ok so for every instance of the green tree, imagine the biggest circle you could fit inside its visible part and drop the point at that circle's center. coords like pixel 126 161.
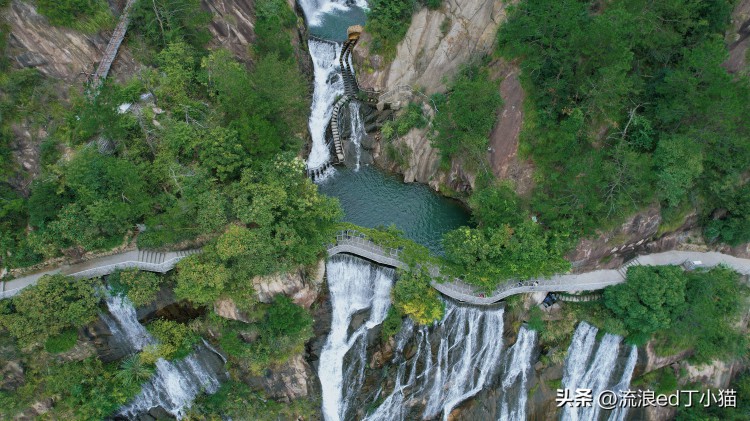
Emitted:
pixel 651 299
pixel 466 116
pixel 485 257
pixel 175 340
pixel 680 162
pixel 200 282
pixel 54 304
pixel 413 296
pixel 285 318
pixel 140 287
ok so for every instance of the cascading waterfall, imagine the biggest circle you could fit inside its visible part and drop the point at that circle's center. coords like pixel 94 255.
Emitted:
pixel 467 359
pixel 357 129
pixel 514 388
pixel 174 385
pixel 328 85
pixel 586 369
pixel 355 285
pixel 315 9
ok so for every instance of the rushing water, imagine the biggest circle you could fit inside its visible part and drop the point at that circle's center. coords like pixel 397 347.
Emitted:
pixel 175 384
pixel 358 130
pixel 328 85
pixel 371 198
pixel 355 285
pixel 592 365
pixel 518 366
pixel 467 358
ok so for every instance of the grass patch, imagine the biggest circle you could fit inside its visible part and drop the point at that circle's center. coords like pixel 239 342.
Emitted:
pixel 63 342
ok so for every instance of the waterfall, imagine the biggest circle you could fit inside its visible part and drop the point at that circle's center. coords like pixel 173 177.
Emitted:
pixel 467 358
pixel 124 324
pixel 586 369
pixel 357 129
pixel 175 384
pixel 315 9
pixel 354 285
pixel 328 84
pixel 514 388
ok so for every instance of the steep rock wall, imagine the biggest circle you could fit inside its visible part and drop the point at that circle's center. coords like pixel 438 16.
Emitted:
pixel 436 45
pixel 57 52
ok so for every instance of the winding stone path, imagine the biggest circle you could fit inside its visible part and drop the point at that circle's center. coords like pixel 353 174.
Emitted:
pixel 352 242
pixel 355 243
pixel 151 261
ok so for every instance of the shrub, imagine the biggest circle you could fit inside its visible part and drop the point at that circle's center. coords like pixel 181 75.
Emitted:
pixel 84 15
pixel 140 287
pixel 175 339
pixel 54 304
pixel 65 341
pixel 466 116
pixel 414 297
pixel 392 324
pixel 284 318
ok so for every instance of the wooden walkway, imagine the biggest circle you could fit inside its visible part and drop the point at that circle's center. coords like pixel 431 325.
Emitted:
pixel 152 261
pixel 110 53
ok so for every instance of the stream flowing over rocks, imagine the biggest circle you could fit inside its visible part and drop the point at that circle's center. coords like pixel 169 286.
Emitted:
pixel 174 384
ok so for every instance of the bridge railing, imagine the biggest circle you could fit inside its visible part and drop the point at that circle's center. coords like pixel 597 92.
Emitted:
pixel 360 239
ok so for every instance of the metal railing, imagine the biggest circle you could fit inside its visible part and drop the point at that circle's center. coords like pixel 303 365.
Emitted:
pixel 110 53
pixel 361 240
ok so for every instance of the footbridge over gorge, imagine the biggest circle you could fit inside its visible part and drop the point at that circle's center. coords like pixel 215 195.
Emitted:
pixel 355 243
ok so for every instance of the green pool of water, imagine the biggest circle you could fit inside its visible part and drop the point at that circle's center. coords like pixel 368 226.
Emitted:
pixel 333 25
pixel 371 198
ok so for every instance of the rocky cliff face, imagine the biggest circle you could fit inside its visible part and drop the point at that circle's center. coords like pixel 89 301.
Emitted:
pixel 57 52
pixel 232 26
pixel 436 45
pixel 738 39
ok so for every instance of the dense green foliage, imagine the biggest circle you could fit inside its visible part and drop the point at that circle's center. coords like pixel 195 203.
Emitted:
pixel 630 104
pixel 716 413
pixel 82 390
pixel 696 311
pixel 466 116
pixel 236 400
pixel 413 296
pixel 64 341
pixel 175 340
pixel 83 15
pixel 280 332
pixel 505 245
pixel 140 287
pixel 161 22
pixel 54 304
pixel 650 300
pixel 214 149
pixel 388 21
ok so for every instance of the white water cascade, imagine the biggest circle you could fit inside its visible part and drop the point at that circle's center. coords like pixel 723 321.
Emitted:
pixel 514 388
pixel 467 359
pixel 315 9
pixel 357 128
pixel 174 385
pixel 355 285
pixel 328 85
pixel 598 371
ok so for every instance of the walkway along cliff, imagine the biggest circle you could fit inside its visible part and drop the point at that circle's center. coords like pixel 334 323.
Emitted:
pixel 355 243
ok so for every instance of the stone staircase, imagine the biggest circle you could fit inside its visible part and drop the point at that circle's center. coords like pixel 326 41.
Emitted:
pixel 576 298
pixel 335 117
pixel 350 82
pixel 110 53
pixel 623 270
